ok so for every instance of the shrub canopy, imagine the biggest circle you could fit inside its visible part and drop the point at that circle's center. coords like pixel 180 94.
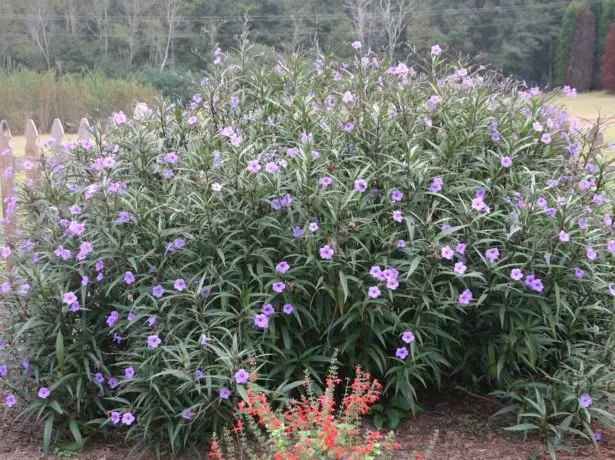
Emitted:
pixel 428 223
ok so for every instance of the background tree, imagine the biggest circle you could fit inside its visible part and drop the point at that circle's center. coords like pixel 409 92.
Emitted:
pixel 608 62
pixel 580 70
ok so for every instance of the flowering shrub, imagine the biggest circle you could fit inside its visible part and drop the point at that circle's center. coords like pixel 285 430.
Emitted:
pixel 428 224
pixel 309 428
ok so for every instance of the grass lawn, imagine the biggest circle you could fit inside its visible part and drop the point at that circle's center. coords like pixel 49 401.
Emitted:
pixel 590 106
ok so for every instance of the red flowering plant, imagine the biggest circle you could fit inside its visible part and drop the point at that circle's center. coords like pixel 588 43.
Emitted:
pixel 308 428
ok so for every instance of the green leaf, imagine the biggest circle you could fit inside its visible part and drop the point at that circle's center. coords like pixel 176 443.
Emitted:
pixel 47 432
pixel 60 350
pixel 523 427
pixel 74 429
pixel 379 421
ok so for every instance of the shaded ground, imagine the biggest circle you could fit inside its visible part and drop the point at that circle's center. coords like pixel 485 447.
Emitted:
pixel 454 426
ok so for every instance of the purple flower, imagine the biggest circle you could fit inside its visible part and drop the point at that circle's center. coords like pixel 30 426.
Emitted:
pixel 360 185
pixel 506 162
pixel 516 274
pixel 128 418
pixel 591 254
pixel 115 417
pixel 447 253
pixel 460 248
pixel 113 318
pixel 401 244
pixel 398 216
pixel 254 166
pixel 282 267
pixel 326 252
pixel 179 284
pixel 348 97
pixel 171 157
pixel 436 185
pixel 585 401
pixel 356 45
pixel 373 292
pixel 124 218
pixel 434 101
pixel 158 291
pixel 151 321
pixel 62 253
pixel 113 383
pixel 44 392
pixel 10 401
pixel 199 374
pixel 203 340
pixel 597 436
pixel 396 195
pixel 288 309
pixel 582 224
pixel 460 268
pixel 261 321
pixel 153 341
pixel 401 353
pixel 545 138
pixel 465 297
pixel 129 278
pixel 187 414
pixel 129 372
pixel 131 317
pixel 76 228
pixel 268 309
pixel 492 254
pixel 4 370
pixel 436 50
pixel 579 273
pixel 564 237
pixel 224 393
pixel 325 181
pixel 69 298
pixel 297 232
pixel 279 287
pixel 75 307
pixel 407 337
pixel 313 227
pixel 478 204
pixel 100 265
pixel 242 377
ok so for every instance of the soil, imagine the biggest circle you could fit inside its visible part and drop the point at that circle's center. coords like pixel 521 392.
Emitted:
pixel 453 426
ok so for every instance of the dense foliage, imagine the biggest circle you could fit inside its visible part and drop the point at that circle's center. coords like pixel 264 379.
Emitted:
pixel 431 224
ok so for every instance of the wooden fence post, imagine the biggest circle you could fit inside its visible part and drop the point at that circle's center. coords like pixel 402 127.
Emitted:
pixel 84 132
pixel 32 148
pixel 7 170
pixel 57 134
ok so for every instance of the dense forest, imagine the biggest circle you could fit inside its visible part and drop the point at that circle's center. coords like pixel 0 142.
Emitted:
pixel 119 37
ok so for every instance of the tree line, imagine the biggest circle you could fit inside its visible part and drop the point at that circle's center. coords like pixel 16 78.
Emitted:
pixel 524 38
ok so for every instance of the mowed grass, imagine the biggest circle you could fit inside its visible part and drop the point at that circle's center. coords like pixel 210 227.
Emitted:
pixel 590 107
